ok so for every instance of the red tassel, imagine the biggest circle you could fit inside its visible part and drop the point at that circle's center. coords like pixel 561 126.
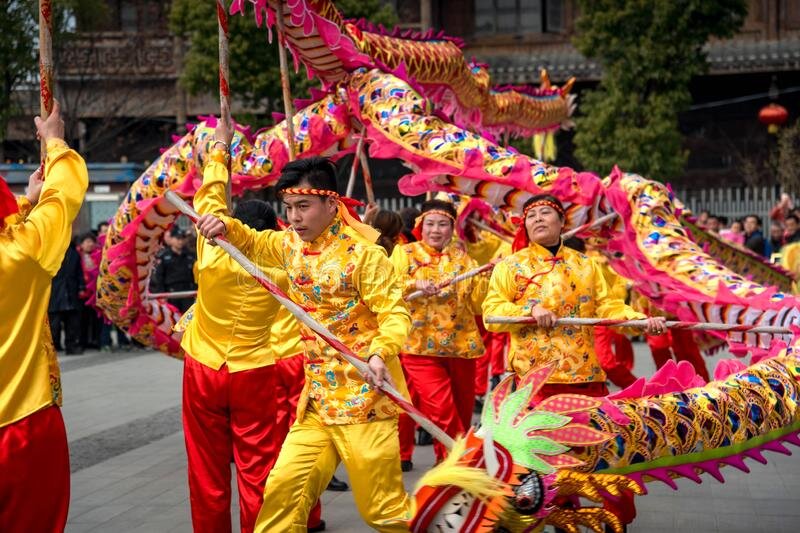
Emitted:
pixel 520 239
pixel 8 202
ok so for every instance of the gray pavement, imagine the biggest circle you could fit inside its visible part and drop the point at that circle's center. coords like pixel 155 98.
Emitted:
pixel 122 412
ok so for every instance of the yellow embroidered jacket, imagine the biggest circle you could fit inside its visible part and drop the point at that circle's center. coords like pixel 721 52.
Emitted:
pixel 30 255
pixel 349 285
pixel 234 320
pixel 570 285
pixel 441 325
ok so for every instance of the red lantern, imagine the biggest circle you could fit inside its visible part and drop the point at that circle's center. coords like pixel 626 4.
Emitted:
pixel 774 116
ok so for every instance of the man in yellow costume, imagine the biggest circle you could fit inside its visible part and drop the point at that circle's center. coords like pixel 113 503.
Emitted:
pixel 347 283
pixel 34 461
pixel 546 280
pixel 439 354
pixel 235 335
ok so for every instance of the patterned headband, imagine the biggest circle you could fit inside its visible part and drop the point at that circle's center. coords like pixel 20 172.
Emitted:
pixel 315 192
pixel 548 203
pixel 437 212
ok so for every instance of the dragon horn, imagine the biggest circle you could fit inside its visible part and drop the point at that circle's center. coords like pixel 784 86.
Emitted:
pixel 567 86
pixel 545 77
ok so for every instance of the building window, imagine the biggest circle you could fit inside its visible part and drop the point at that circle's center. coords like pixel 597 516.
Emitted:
pixel 518 17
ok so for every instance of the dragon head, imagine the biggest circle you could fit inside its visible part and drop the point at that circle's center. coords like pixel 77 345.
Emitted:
pixel 515 472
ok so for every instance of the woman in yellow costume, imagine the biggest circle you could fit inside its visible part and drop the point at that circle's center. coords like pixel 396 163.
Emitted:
pixel 439 354
pixel 548 281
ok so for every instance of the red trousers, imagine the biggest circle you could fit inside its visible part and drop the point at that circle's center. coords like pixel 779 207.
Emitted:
pixel 444 391
pixel 406 426
pixel 494 358
pixel 227 415
pixel 679 345
pixel 34 474
pixel 615 355
pixel 623 507
pixel 289 385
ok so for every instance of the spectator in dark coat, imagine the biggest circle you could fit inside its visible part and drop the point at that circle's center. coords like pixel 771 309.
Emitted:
pixel 791 229
pixel 753 238
pixel 173 272
pixel 65 306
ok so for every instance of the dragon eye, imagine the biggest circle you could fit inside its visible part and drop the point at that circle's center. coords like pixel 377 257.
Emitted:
pixel 529 494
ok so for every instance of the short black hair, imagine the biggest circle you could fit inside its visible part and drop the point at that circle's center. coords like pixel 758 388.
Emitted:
pixel 88 235
pixel 793 217
pixel 257 214
pixel 549 198
pixel 442 205
pixel 177 231
pixel 409 216
pixel 758 218
pixel 317 172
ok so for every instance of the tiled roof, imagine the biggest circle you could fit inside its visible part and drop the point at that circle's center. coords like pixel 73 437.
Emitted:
pixel 563 62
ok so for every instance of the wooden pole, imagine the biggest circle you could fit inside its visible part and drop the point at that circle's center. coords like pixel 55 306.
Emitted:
pixel 351 182
pixel 672 324
pixel 224 85
pixel 315 326
pixel 287 92
pixel 597 222
pixel 45 64
pixel 367 177
pixel 485 227
pixel 461 277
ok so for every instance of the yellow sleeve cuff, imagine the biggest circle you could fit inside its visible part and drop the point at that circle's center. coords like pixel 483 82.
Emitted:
pixel 56 143
pixel 219 156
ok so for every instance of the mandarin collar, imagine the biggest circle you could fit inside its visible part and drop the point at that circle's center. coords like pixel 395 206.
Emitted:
pixel 433 252
pixel 325 238
pixel 541 251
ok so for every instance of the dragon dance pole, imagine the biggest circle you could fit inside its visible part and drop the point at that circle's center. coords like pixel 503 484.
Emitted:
pixel 224 86
pixel 301 315
pixel 672 324
pixel 589 225
pixel 367 177
pixel 461 277
pixel 351 182
pixel 485 227
pixel 287 93
pixel 45 63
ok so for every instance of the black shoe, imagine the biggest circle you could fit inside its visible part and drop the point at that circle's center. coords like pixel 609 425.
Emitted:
pixel 424 438
pixel 336 485
pixel 318 527
pixel 478 407
pixel 406 466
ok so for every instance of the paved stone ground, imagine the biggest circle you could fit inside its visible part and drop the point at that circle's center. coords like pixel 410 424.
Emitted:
pixel 129 467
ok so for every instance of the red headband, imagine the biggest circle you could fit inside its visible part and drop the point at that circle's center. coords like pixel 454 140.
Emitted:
pixel 521 237
pixel 349 202
pixel 347 210
pixel 548 203
pixel 436 212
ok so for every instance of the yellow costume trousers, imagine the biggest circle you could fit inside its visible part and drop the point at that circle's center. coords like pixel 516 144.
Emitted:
pixel 308 459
